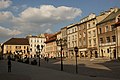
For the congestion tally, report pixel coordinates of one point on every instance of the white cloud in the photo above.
(36, 20)
(6, 16)
(45, 17)
(50, 14)
(6, 32)
(5, 3)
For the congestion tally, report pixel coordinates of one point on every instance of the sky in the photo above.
(19, 18)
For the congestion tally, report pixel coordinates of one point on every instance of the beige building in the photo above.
(72, 38)
(107, 36)
(117, 26)
(51, 47)
(92, 36)
(82, 37)
(16, 47)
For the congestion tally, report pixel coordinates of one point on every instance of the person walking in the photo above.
(9, 65)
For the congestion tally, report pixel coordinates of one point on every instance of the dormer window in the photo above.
(118, 18)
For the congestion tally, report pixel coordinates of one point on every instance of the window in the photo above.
(69, 31)
(72, 30)
(94, 40)
(88, 25)
(93, 23)
(73, 37)
(80, 35)
(113, 38)
(75, 29)
(24, 51)
(83, 34)
(89, 33)
(89, 42)
(108, 50)
(24, 47)
(100, 30)
(94, 33)
(107, 39)
(101, 40)
(106, 28)
(68, 38)
(112, 28)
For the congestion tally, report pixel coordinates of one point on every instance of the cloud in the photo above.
(6, 32)
(45, 17)
(50, 14)
(19, 8)
(6, 16)
(35, 20)
(5, 3)
(48, 31)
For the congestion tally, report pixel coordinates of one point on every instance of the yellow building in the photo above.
(16, 46)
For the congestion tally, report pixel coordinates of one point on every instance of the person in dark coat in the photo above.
(9, 65)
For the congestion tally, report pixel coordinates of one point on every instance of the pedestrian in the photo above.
(9, 65)
(47, 59)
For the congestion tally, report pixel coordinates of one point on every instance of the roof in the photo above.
(111, 16)
(117, 24)
(52, 38)
(17, 41)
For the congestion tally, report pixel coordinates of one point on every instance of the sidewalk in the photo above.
(21, 71)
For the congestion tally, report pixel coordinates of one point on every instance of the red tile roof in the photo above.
(17, 41)
(117, 24)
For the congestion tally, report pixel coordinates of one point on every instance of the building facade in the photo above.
(117, 28)
(72, 39)
(107, 37)
(82, 37)
(16, 47)
(92, 36)
(34, 41)
(51, 47)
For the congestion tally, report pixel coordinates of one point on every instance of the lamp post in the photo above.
(38, 48)
(76, 52)
(61, 42)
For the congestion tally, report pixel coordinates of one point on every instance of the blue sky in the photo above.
(19, 18)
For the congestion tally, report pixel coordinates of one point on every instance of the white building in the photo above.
(34, 41)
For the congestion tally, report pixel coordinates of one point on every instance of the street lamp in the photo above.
(76, 52)
(38, 48)
(61, 42)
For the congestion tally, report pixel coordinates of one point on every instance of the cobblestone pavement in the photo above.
(22, 71)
